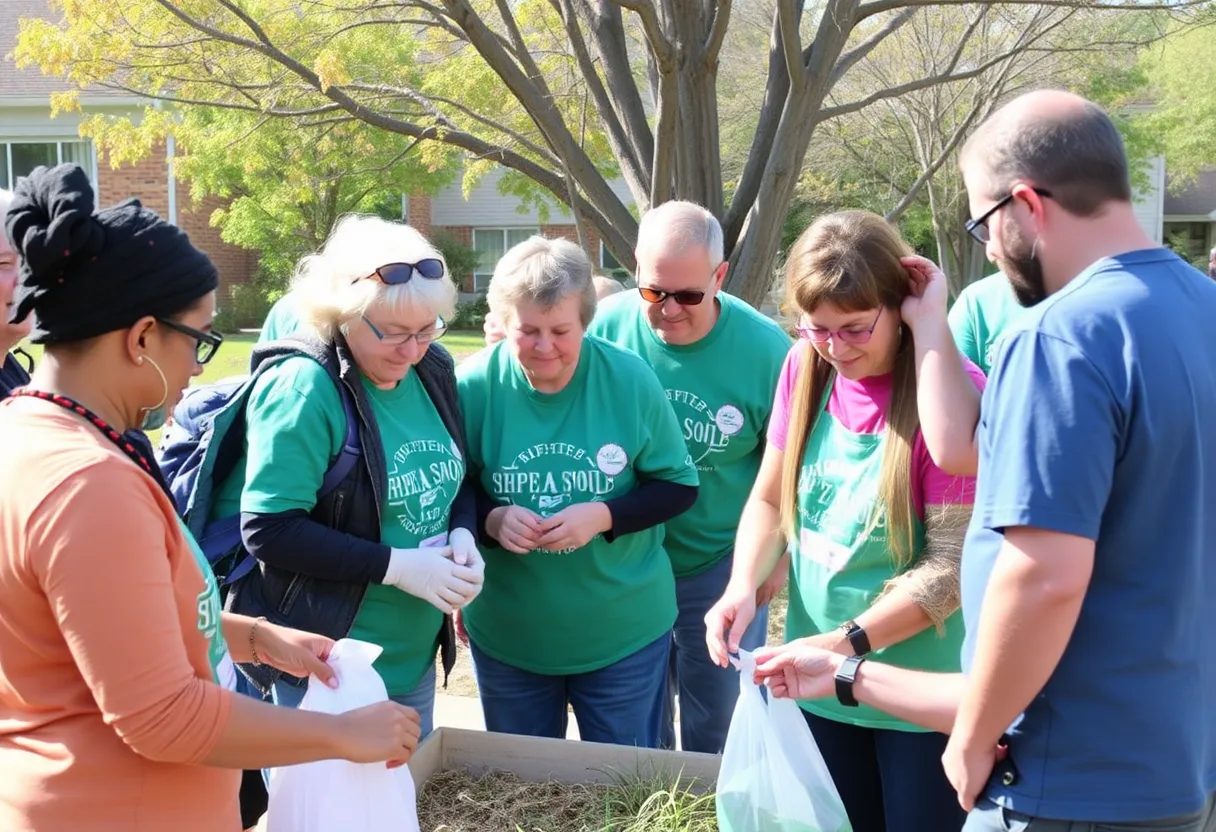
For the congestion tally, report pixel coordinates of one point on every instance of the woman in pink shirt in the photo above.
(113, 647)
(875, 528)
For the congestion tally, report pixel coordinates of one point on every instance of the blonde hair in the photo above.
(851, 259)
(330, 287)
(544, 272)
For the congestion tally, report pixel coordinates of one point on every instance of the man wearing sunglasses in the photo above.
(719, 360)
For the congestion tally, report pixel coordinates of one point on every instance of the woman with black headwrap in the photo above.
(112, 642)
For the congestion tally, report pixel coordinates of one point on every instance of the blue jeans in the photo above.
(989, 817)
(707, 692)
(621, 703)
(890, 781)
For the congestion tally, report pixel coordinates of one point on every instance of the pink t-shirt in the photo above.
(861, 406)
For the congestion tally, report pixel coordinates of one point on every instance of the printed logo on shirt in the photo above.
(551, 476)
(423, 478)
(208, 623)
(828, 504)
(707, 430)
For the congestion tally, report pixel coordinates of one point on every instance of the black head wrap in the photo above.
(86, 274)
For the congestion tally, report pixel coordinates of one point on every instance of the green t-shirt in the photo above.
(210, 617)
(840, 564)
(561, 613)
(981, 312)
(296, 425)
(281, 321)
(721, 389)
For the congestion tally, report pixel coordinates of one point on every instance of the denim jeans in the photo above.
(707, 692)
(890, 781)
(989, 817)
(621, 703)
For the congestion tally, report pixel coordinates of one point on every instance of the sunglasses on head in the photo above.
(684, 298)
(394, 274)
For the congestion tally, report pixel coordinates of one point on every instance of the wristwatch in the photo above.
(845, 677)
(857, 637)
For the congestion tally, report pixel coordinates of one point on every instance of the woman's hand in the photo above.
(466, 553)
(294, 652)
(798, 670)
(574, 527)
(929, 294)
(515, 528)
(384, 732)
(727, 621)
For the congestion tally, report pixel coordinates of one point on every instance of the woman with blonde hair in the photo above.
(388, 555)
(874, 526)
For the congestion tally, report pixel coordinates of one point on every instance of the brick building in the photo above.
(30, 137)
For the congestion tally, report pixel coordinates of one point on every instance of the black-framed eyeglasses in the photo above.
(400, 339)
(850, 335)
(394, 274)
(686, 297)
(978, 227)
(206, 343)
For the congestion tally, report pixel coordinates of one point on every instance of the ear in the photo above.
(138, 337)
(720, 276)
(1025, 193)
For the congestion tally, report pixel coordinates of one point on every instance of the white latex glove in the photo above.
(465, 553)
(432, 575)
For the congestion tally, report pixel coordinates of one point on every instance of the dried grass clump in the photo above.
(455, 801)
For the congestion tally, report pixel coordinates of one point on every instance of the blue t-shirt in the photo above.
(1098, 421)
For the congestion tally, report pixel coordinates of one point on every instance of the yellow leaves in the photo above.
(65, 102)
(474, 170)
(125, 141)
(331, 69)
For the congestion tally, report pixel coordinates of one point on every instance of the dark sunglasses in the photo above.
(206, 343)
(394, 274)
(684, 298)
(978, 227)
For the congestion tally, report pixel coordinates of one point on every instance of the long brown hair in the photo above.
(851, 260)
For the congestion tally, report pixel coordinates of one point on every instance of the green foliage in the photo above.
(471, 314)
(461, 258)
(1181, 75)
(246, 309)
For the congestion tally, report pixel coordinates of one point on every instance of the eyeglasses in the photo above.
(686, 297)
(978, 227)
(400, 339)
(850, 335)
(394, 274)
(206, 343)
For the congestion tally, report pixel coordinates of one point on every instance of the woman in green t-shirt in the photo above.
(389, 554)
(874, 526)
(580, 461)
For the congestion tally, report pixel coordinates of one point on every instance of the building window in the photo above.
(1190, 240)
(491, 244)
(19, 158)
(610, 266)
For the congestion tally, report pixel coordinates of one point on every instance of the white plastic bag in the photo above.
(335, 795)
(773, 778)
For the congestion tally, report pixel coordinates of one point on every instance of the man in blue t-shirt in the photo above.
(1088, 696)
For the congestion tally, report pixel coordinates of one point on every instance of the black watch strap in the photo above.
(857, 637)
(845, 677)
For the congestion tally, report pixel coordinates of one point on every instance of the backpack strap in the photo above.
(351, 447)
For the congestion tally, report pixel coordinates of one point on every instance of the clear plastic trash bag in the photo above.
(335, 795)
(773, 778)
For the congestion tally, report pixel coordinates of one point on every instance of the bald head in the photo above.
(605, 286)
(1052, 140)
(676, 227)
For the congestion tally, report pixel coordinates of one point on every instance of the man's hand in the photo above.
(929, 294)
(968, 769)
(798, 670)
(574, 527)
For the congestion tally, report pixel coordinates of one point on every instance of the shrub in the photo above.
(471, 314)
(245, 308)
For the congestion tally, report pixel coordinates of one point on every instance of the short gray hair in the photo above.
(677, 226)
(544, 272)
(329, 285)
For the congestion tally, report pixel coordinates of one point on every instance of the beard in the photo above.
(1021, 267)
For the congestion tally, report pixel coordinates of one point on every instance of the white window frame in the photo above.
(58, 141)
(481, 279)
